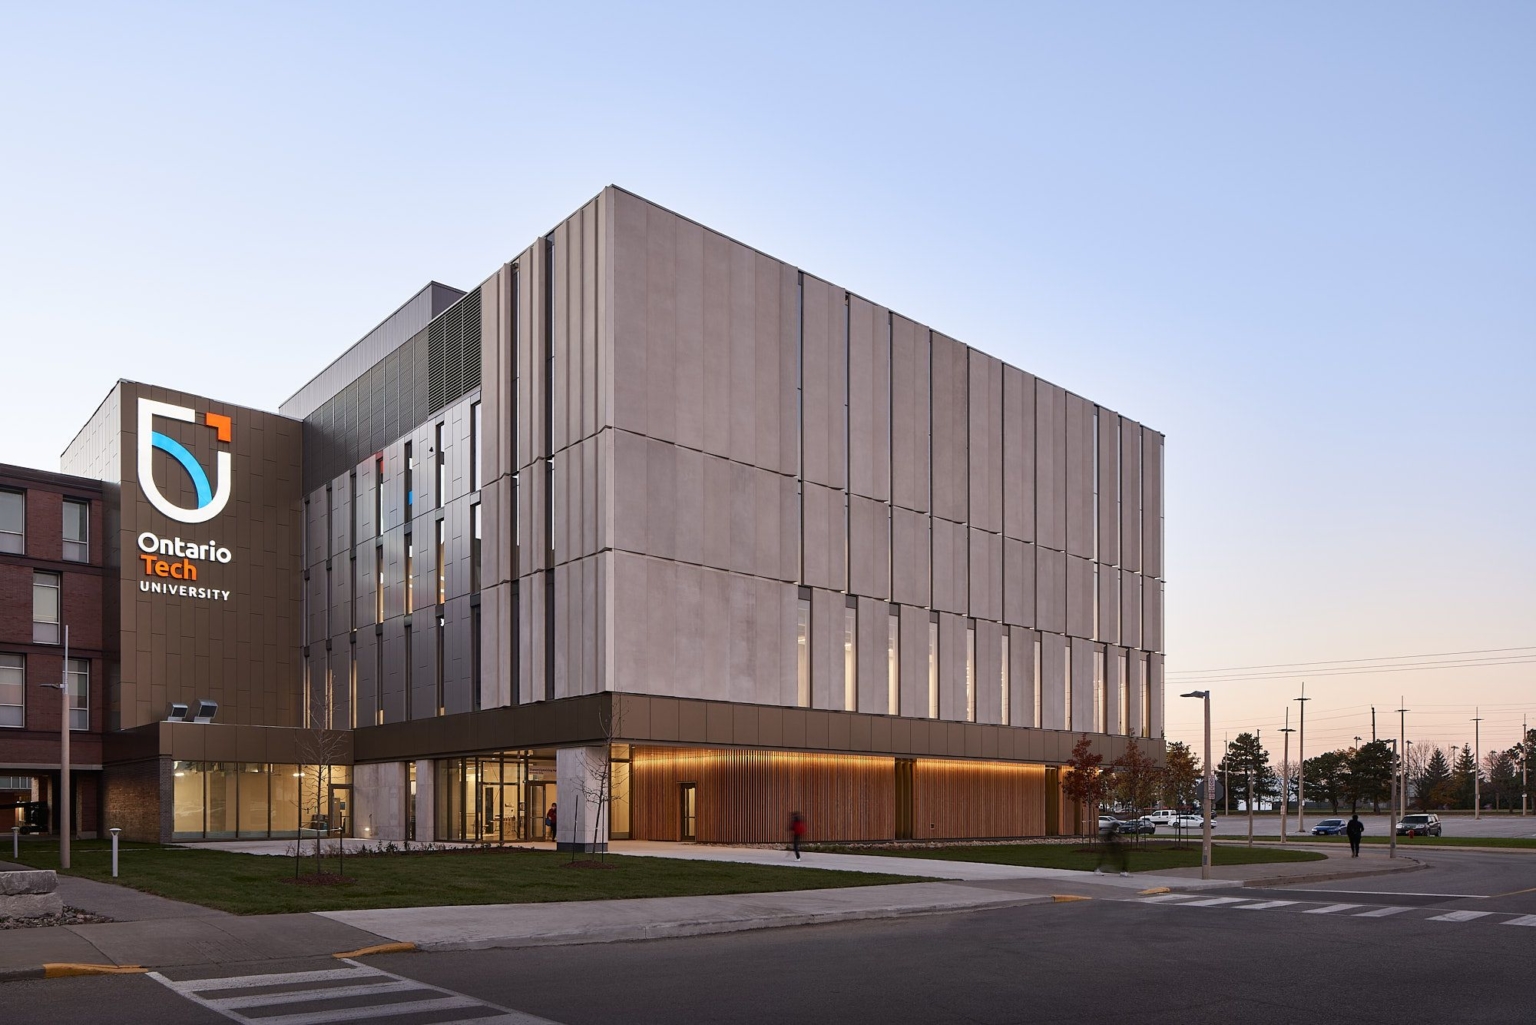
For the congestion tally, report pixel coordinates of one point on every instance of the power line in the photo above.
(1379, 658)
(1361, 671)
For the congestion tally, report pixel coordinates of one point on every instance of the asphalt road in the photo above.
(1501, 824)
(1452, 938)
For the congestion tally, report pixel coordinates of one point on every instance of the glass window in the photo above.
(222, 783)
(187, 801)
(378, 584)
(45, 608)
(1039, 682)
(933, 670)
(1003, 652)
(476, 470)
(254, 800)
(1066, 686)
(474, 548)
(378, 496)
(850, 660)
(77, 524)
(803, 655)
(1146, 700)
(13, 690)
(410, 575)
(442, 566)
(1123, 697)
(13, 522)
(970, 672)
(410, 481)
(893, 664)
(1100, 693)
(618, 807)
(79, 693)
(285, 780)
(442, 468)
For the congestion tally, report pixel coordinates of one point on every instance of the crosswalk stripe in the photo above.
(1382, 912)
(1522, 920)
(1459, 916)
(1265, 905)
(1330, 909)
(383, 995)
(1213, 902)
(1166, 898)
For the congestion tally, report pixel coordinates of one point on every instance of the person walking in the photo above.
(796, 831)
(1354, 831)
(1113, 851)
(550, 818)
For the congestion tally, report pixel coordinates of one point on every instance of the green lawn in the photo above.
(248, 884)
(1413, 841)
(1151, 856)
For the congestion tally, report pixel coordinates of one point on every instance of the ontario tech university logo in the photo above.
(210, 501)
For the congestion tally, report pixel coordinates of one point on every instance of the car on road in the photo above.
(1419, 825)
(1191, 822)
(1141, 825)
(1330, 827)
(1162, 817)
(1107, 823)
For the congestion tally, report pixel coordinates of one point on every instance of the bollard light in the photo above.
(114, 831)
(16, 842)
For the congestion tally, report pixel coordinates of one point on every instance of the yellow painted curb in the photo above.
(64, 970)
(1155, 889)
(378, 948)
(1062, 898)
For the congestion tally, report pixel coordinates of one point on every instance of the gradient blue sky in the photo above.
(1297, 240)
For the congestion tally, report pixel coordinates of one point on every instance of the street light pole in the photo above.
(1210, 786)
(1301, 764)
(1402, 747)
(1285, 777)
(1477, 792)
(1392, 814)
(1525, 763)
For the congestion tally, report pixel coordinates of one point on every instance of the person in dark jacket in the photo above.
(796, 831)
(1354, 831)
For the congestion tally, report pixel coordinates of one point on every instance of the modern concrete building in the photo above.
(648, 514)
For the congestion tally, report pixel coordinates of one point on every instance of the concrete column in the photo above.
(378, 800)
(426, 800)
(582, 818)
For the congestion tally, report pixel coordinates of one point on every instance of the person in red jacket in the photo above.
(796, 831)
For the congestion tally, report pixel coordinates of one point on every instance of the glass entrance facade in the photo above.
(499, 797)
(259, 800)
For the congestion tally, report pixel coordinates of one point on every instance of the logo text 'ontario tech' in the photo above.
(210, 500)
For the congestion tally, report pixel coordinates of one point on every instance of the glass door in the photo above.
(688, 811)
(340, 817)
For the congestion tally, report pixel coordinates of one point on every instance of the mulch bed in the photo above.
(71, 916)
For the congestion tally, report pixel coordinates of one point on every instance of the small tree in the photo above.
(596, 784)
(1433, 780)
(1463, 777)
(1135, 779)
(322, 749)
(1370, 774)
(1181, 775)
(1086, 783)
(1249, 762)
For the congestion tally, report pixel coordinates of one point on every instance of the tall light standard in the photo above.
(63, 686)
(1392, 814)
(1402, 750)
(1285, 777)
(1301, 764)
(1525, 763)
(1477, 793)
(1210, 786)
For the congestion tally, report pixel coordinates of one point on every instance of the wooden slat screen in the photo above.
(747, 796)
(962, 799)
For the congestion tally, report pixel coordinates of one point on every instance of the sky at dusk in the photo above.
(1295, 239)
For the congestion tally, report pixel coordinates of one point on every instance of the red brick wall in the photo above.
(132, 795)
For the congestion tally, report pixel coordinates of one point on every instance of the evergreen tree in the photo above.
(1432, 787)
(1328, 778)
(1370, 774)
(1462, 776)
(1503, 778)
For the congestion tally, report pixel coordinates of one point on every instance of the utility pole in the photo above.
(1402, 748)
(1301, 764)
(1285, 776)
(1525, 764)
(1392, 815)
(1477, 792)
(1373, 724)
(1226, 775)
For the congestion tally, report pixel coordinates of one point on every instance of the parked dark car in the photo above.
(1419, 825)
(1141, 825)
(1330, 827)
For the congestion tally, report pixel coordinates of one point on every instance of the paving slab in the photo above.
(232, 938)
(22, 949)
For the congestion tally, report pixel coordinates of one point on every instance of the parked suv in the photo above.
(1162, 817)
(1419, 825)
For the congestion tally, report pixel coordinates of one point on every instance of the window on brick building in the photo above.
(45, 608)
(13, 522)
(13, 691)
(77, 525)
(79, 694)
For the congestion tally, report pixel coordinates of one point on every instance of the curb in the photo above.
(678, 930)
(378, 948)
(1331, 877)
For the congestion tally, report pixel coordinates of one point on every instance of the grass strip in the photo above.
(249, 884)
(1406, 841)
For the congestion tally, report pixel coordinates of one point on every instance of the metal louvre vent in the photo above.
(453, 352)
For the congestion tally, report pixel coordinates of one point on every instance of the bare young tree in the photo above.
(321, 748)
(596, 783)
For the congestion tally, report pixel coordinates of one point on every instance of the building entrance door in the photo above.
(540, 797)
(339, 810)
(688, 810)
